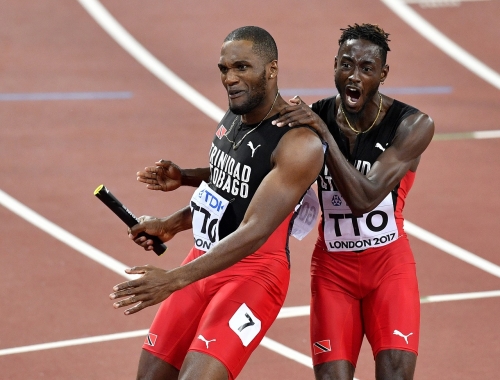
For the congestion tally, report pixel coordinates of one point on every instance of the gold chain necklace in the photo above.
(374, 121)
(237, 144)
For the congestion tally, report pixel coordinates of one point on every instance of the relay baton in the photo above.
(126, 216)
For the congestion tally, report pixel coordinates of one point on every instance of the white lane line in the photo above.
(73, 342)
(148, 60)
(293, 311)
(62, 235)
(486, 134)
(304, 311)
(478, 135)
(451, 249)
(460, 296)
(287, 352)
(434, 36)
(266, 342)
(286, 312)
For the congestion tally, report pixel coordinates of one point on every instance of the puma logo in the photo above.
(250, 144)
(378, 145)
(399, 333)
(250, 321)
(201, 337)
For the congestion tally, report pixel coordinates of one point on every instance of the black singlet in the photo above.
(368, 146)
(236, 174)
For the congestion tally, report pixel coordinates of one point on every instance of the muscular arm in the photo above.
(363, 193)
(275, 199)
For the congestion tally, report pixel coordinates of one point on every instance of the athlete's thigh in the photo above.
(335, 322)
(175, 324)
(392, 312)
(235, 321)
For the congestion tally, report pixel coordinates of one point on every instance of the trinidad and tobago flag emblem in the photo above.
(321, 347)
(221, 132)
(151, 339)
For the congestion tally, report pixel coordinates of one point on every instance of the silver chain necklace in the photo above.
(236, 145)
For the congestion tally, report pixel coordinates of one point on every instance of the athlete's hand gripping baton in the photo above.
(126, 216)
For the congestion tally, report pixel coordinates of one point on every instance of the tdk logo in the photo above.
(211, 200)
(337, 200)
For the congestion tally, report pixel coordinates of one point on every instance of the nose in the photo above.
(354, 77)
(231, 78)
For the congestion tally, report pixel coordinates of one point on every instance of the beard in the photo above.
(256, 94)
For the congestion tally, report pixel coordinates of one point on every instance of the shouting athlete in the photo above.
(363, 271)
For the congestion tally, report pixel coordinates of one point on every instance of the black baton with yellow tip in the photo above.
(126, 216)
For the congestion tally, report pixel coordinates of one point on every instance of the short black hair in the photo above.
(263, 43)
(369, 32)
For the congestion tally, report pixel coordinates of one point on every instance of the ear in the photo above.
(335, 67)
(273, 69)
(384, 73)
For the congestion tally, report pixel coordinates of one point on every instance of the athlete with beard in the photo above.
(363, 271)
(217, 306)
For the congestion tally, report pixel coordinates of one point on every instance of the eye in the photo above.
(242, 67)
(223, 69)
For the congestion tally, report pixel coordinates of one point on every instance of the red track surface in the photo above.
(55, 153)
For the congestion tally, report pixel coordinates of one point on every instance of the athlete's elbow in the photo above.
(259, 239)
(362, 207)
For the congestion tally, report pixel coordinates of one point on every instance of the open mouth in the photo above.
(352, 95)
(234, 93)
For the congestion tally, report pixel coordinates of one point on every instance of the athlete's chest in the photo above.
(364, 147)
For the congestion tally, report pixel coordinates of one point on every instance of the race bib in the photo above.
(345, 232)
(207, 208)
(308, 211)
(245, 324)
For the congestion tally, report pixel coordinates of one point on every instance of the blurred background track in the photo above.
(77, 110)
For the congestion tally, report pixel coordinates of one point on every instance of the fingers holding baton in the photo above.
(126, 216)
